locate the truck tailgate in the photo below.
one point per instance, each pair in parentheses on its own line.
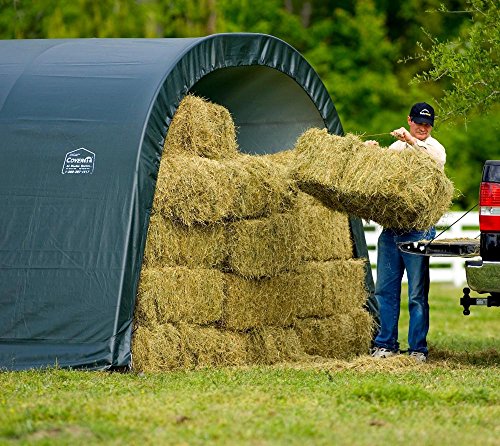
(442,247)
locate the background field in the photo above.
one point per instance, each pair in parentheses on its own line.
(453,399)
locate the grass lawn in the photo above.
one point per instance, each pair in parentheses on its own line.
(452,400)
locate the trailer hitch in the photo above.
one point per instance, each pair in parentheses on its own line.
(466,301)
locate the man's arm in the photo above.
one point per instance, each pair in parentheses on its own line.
(432,146)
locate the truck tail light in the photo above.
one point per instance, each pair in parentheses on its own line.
(489,207)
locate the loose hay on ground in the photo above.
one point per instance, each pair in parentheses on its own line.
(200,127)
(175,294)
(398,189)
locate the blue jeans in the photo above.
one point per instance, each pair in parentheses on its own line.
(391,263)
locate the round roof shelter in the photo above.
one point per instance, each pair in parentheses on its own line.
(83,123)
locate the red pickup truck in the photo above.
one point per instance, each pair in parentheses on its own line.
(483,270)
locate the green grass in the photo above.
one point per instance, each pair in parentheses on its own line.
(452,400)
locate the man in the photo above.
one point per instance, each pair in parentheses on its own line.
(391,262)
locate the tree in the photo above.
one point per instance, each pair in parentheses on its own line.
(470,62)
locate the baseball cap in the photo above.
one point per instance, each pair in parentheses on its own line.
(422,113)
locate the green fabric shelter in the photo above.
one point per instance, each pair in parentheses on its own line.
(82,125)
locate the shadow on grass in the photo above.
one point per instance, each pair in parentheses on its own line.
(482,358)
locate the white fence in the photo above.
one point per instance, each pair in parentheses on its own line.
(442,269)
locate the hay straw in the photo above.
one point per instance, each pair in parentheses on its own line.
(210,347)
(365,364)
(363,330)
(318,289)
(192,190)
(187,346)
(155,349)
(320,159)
(200,127)
(344,282)
(264,247)
(265,302)
(264,187)
(341,337)
(269,345)
(179,294)
(199,190)
(342,287)
(283,157)
(174,244)
(397,189)
(324,233)
(218,209)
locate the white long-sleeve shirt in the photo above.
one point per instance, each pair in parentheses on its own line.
(431,145)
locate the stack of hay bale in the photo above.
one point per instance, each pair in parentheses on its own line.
(240,266)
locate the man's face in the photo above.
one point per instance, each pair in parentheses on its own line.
(419,131)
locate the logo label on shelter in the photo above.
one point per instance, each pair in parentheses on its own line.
(80,161)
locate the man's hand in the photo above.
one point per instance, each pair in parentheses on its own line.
(403,135)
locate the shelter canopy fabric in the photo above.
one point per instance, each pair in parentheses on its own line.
(83,123)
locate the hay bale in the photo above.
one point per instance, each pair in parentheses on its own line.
(264,187)
(316,289)
(284,158)
(320,159)
(342,285)
(264,247)
(187,346)
(267,302)
(211,347)
(269,345)
(397,189)
(363,331)
(202,128)
(155,349)
(341,337)
(199,190)
(325,337)
(324,233)
(270,246)
(170,243)
(175,294)
(193,190)
(344,282)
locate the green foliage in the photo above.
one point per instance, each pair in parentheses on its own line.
(353,57)
(470,62)
(23,19)
(467,150)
